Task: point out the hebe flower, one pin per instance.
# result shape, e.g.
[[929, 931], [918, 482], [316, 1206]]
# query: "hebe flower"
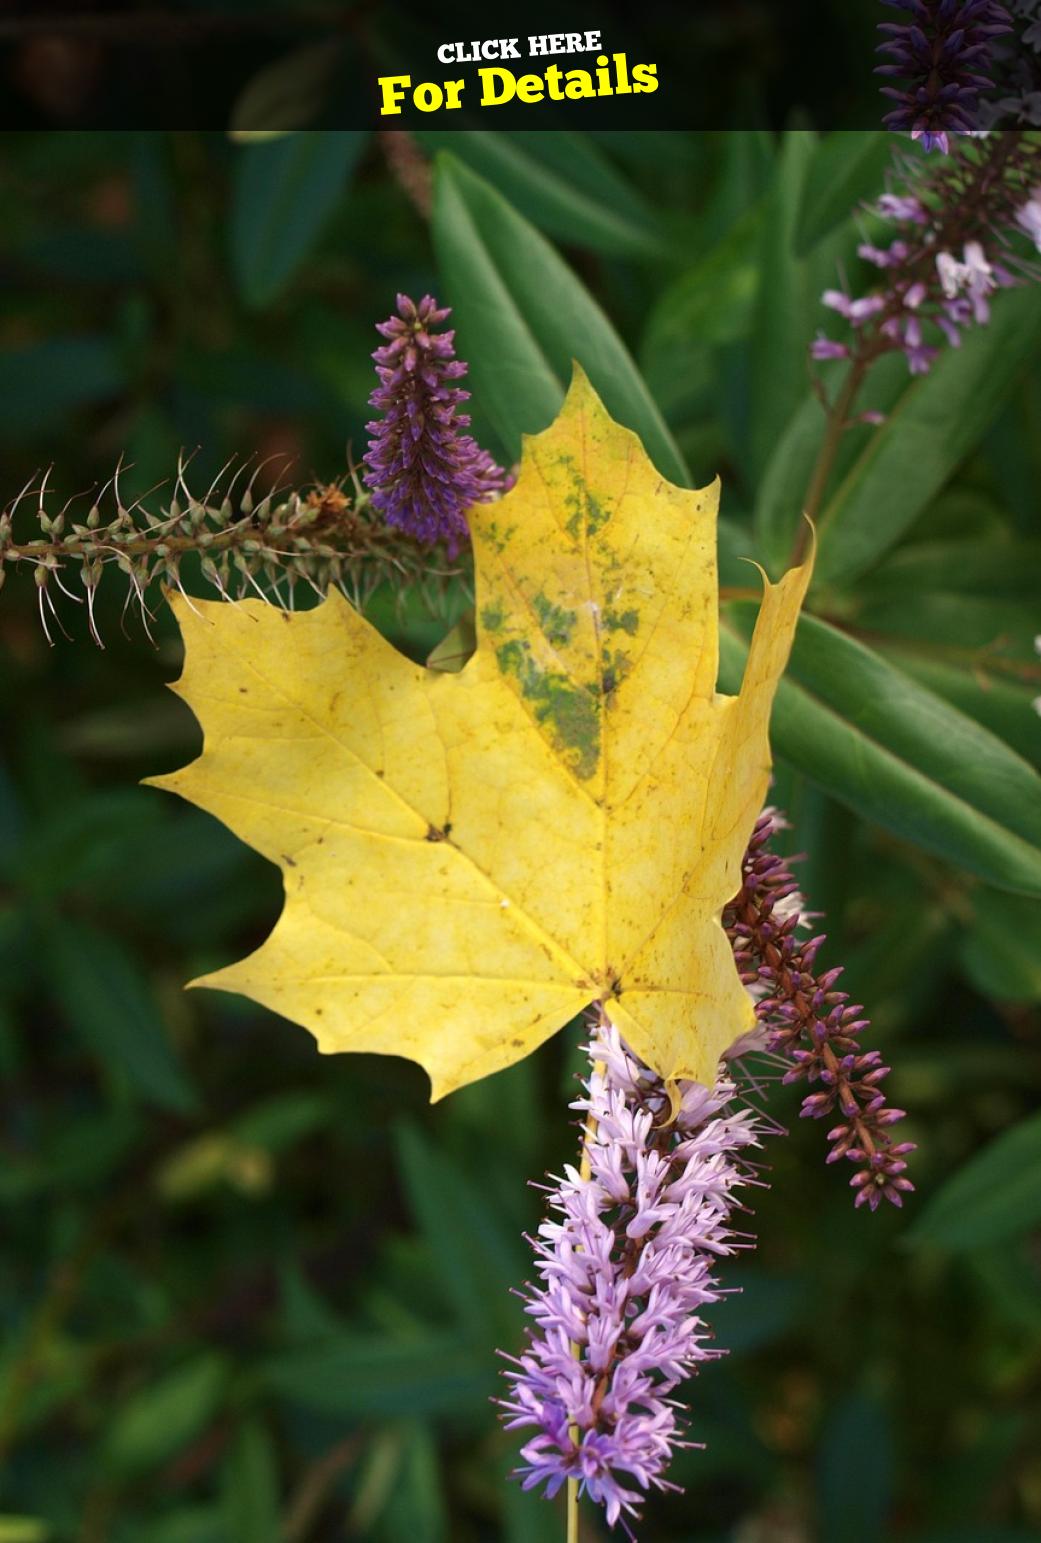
[[943, 52], [423, 471], [626, 1266], [954, 246], [812, 1024]]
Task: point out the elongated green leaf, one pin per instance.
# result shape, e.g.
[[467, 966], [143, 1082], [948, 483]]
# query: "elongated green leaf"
[[981, 627], [899, 755], [938, 420], [364, 1376], [416, 1503], [780, 331], [858, 1437], [1001, 952], [288, 94], [476, 1258], [996, 1195], [164, 1416], [564, 184], [1000, 702], [250, 1487], [847, 170], [996, 569], [41, 383], [523, 317], [712, 303], [107, 1000], [284, 191], [24, 1529]]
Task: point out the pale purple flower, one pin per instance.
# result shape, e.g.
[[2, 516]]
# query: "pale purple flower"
[[910, 211], [626, 1264], [424, 473], [826, 348], [1028, 218]]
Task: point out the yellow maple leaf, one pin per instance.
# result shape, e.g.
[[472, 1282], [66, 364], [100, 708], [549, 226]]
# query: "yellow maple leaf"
[[471, 859]]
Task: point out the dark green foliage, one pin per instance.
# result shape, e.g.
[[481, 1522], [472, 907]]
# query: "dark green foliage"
[[253, 1295]]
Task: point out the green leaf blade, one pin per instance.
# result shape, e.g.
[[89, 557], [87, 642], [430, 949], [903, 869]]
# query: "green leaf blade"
[[284, 192], [996, 1195], [524, 317], [899, 755]]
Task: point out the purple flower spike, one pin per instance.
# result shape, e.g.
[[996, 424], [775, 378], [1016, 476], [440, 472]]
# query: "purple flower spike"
[[423, 472], [811, 1024], [626, 1267], [943, 53], [956, 244]]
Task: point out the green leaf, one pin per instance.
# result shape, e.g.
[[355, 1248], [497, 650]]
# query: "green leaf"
[[42, 383], [899, 755], [1001, 704], [250, 1486], [847, 169], [710, 304], [160, 1420], [23, 1529], [187, 1524], [857, 1439], [416, 1504], [995, 1195], [563, 183], [364, 1377], [780, 326], [937, 421], [1001, 951], [106, 998], [1000, 570], [287, 94], [284, 192], [476, 1258], [523, 317], [281, 1121]]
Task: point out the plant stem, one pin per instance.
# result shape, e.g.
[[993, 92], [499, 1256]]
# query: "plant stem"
[[586, 1167], [572, 1511], [838, 420]]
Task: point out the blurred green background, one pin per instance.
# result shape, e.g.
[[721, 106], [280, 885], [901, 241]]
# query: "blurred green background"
[[251, 1295]]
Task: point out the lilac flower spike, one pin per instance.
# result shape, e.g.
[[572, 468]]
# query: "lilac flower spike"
[[423, 472], [943, 52], [626, 1267]]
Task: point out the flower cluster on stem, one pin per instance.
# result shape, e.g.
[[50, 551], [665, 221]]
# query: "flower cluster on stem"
[[814, 1025], [238, 541], [627, 1261], [943, 52], [954, 244], [423, 472]]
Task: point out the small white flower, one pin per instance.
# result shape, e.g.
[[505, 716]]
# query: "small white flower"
[[1029, 217], [950, 271], [974, 274]]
